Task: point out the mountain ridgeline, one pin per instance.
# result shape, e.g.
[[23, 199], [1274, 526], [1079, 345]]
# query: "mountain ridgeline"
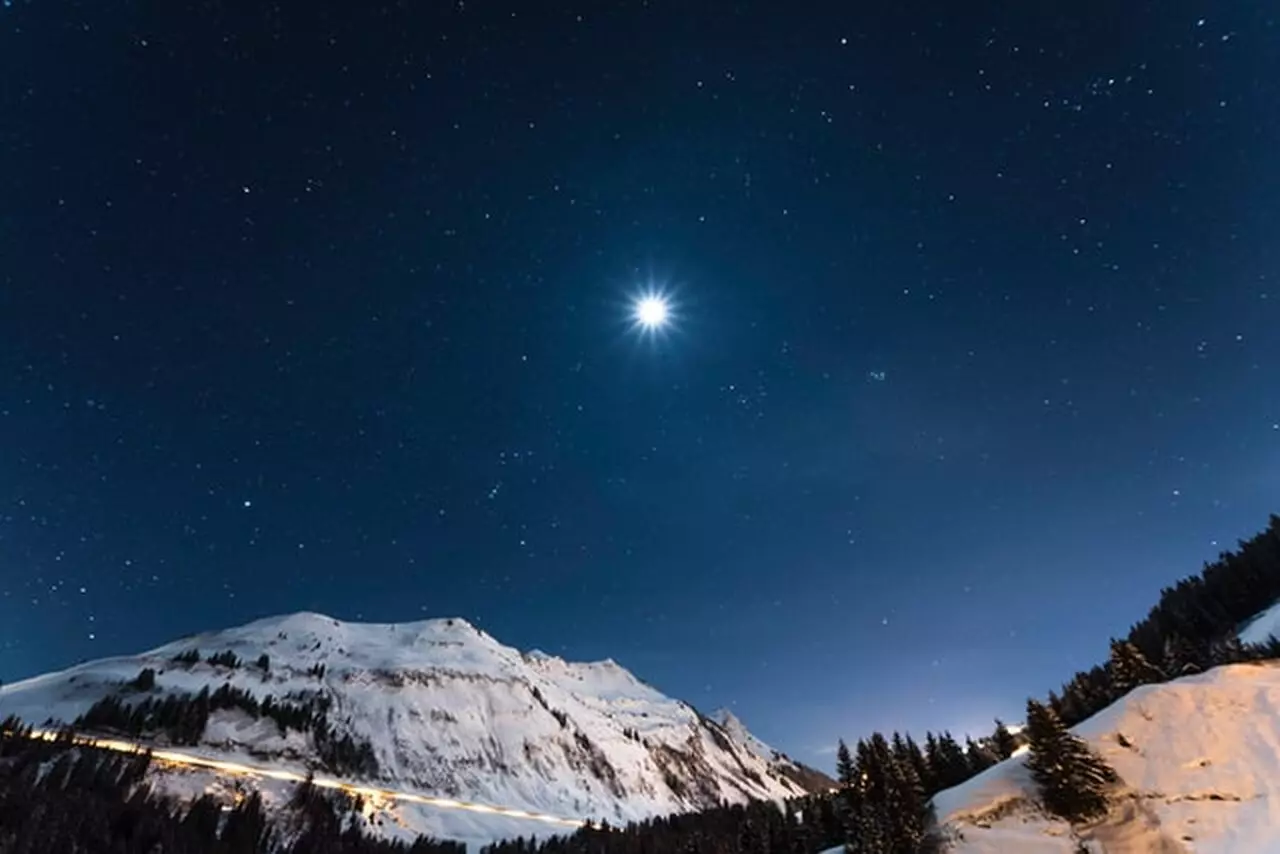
[[441, 707], [436, 707]]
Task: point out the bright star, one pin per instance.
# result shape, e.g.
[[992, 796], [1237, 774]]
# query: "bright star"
[[652, 311]]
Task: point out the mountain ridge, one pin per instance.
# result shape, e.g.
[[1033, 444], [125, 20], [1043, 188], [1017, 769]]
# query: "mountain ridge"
[[436, 706]]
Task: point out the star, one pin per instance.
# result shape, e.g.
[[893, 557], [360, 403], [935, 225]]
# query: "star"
[[651, 312]]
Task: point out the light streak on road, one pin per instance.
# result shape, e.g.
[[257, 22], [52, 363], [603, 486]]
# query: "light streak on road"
[[191, 760]]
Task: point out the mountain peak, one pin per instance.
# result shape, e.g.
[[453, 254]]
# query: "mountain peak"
[[435, 706], [725, 718]]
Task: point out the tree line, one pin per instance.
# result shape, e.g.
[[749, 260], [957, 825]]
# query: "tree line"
[[182, 719], [74, 799], [885, 783], [1193, 627]]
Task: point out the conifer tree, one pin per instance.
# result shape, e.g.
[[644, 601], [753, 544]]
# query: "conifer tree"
[[1129, 668], [933, 760], [844, 765], [1180, 657], [954, 768], [907, 753], [145, 681], [1055, 702], [1003, 741], [1071, 778], [851, 806], [1268, 650], [868, 831], [1228, 650], [905, 804], [852, 819], [979, 756]]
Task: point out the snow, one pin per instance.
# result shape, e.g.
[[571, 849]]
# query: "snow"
[[1201, 773], [449, 711], [1262, 627], [738, 732]]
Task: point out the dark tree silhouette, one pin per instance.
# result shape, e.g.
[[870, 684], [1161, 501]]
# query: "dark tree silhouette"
[[1129, 668], [1002, 741], [1072, 779], [93, 801], [845, 772]]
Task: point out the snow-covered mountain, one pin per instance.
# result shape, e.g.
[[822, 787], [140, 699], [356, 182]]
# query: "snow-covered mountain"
[[1199, 761], [441, 707]]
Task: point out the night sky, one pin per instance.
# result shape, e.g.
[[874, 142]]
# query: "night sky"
[[328, 306]]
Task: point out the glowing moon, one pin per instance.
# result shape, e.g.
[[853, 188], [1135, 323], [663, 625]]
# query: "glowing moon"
[[652, 312]]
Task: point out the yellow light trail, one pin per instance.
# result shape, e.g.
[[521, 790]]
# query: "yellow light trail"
[[191, 760]]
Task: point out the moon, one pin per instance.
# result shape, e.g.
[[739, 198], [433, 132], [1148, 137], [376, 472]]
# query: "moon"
[[651, 312]]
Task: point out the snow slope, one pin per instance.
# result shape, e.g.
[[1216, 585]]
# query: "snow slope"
[[737, 731], [1200, 772], [449, 711], [1262, 627]]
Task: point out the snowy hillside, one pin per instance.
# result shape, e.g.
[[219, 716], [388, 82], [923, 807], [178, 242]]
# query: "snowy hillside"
[[1200, 763], [1262, 627], [444, 709], [737, 731]]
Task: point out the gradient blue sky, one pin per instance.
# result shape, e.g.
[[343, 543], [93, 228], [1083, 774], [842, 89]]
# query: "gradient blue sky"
[[324, 306]]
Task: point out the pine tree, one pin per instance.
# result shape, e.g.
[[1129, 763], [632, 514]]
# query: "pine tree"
[[1003, 741], [869, 832], [920, 765], [1268, 650], [1055, 702], [905, 804], [145, 681], [1229, 650], [850, 795], [1180, 658], [1071, 778], [851, 819], [844, 765], [954, 768], [1129, 668], [933, 761], [979, 756], [907, 753]]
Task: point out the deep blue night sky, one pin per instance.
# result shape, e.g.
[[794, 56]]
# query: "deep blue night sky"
[[325, 306]]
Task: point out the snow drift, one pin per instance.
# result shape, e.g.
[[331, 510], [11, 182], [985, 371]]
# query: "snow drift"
[[1199, 761]]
